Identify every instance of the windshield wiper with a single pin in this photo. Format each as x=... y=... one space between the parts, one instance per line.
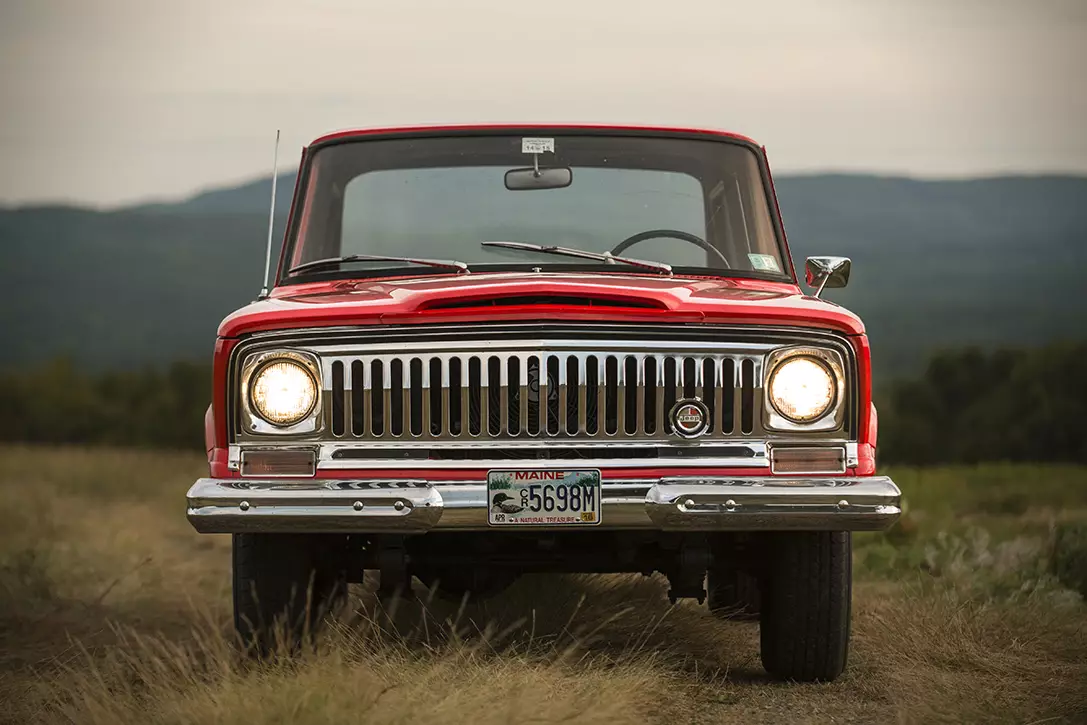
x=606 y=257
x=461 y=267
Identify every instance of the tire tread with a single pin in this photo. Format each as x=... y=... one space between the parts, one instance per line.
x=806 y=606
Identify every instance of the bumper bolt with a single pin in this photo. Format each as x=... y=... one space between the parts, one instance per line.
x=399 y=505
x=730 y=505
x=843 y=504
x=358 y=505
x=244 y=505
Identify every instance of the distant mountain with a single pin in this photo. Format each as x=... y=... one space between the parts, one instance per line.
x=249 y=198
x=996 y=261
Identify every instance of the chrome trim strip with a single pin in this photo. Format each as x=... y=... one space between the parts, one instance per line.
x=367 y=464
x=330 y=456
x=674 y=503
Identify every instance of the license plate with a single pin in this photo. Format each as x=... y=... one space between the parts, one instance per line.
x=543 y=498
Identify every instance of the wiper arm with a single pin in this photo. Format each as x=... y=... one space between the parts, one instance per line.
x=606 y=257
x=332 y=261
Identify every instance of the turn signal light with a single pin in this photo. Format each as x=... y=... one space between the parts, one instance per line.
x=279 y=463
x=807 y=460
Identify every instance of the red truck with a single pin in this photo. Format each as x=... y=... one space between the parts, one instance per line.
x=493 y=350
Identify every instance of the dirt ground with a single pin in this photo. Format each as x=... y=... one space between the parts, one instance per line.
x=112 y=610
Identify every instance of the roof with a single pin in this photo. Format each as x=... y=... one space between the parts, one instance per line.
x=468 y=127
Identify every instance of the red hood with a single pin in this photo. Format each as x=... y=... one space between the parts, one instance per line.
x=523 y=296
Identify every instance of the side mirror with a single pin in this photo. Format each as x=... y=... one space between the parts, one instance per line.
x=821 y=272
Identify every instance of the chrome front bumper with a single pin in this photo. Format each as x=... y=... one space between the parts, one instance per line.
x=682 y=503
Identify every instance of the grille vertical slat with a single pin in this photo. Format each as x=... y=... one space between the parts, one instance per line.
x=348 y=399
x=485 y=397
x=474 y=408
x=737 y=400
x=568 y=394
x=582 y=412
x=659 y=393
x=338 y=400
x=426 y=425
x=598 y=410
x=463 y=404
x=405 y=398
x=360 y=411
x=621 y=368
x=639 y=397
x=543 y=394
x=757 y=397
x=747 y=398
x=382 y=399
x=681 y=379
x=523 y=395
x=503 y=388
x=612 y=394
x=444 y=413
x=697 y=382
x=719 y=396
x=564 y=396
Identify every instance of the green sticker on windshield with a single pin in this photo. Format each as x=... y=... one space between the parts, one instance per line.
x=764 y=262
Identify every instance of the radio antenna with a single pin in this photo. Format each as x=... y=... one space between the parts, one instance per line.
x=271 y=219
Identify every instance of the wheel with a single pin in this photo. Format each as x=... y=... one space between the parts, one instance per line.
x=454 y=584
x=806 y=601
x=732 y=593
x=283 y=585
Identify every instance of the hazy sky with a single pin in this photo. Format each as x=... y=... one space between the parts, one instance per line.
x=109 y=101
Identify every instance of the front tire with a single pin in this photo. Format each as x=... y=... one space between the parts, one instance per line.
x=283 y=585
x=806 y=603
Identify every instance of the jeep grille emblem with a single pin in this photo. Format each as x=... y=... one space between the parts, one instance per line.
x=690 y=417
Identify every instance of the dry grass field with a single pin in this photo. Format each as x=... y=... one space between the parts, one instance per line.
x=112 y=610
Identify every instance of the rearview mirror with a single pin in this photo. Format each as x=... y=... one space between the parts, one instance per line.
x=822 y=272
x=531 y=178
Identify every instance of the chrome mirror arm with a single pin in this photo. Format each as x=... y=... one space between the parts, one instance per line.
x=823 y=272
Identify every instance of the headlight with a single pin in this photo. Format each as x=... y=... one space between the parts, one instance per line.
x=802 y=389
x=283 y=392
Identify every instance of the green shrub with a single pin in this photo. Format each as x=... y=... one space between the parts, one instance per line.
x=1070 y=556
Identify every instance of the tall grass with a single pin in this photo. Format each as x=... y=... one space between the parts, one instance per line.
x=113 y=611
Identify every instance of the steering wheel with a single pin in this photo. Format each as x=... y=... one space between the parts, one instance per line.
x=673 y=234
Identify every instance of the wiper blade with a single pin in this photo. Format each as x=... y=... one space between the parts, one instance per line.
x=461 y=267
x=606 y=257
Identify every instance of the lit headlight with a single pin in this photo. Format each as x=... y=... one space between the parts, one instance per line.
x=802 y=389
x=283 y=392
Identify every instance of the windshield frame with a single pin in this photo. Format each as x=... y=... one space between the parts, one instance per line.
x=298 y=211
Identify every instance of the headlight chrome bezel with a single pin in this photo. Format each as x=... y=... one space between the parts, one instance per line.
x=833 y=418
x=252 y=420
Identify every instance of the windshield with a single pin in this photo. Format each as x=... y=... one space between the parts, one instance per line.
x=697 y=205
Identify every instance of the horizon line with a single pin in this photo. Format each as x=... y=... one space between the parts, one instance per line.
x=250 y=180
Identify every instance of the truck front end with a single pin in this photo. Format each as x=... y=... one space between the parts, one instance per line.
x=493 y=351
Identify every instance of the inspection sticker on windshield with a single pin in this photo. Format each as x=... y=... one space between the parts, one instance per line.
x=537 y=145
x=764 y=262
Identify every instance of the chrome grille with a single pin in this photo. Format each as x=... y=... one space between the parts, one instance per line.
x=579 y=395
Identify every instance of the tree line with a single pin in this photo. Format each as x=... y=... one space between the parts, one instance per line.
x=968 y=406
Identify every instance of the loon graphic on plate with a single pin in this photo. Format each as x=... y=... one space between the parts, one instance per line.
x=504 y=504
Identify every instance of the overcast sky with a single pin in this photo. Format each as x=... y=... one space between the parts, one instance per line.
x=106 y=102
